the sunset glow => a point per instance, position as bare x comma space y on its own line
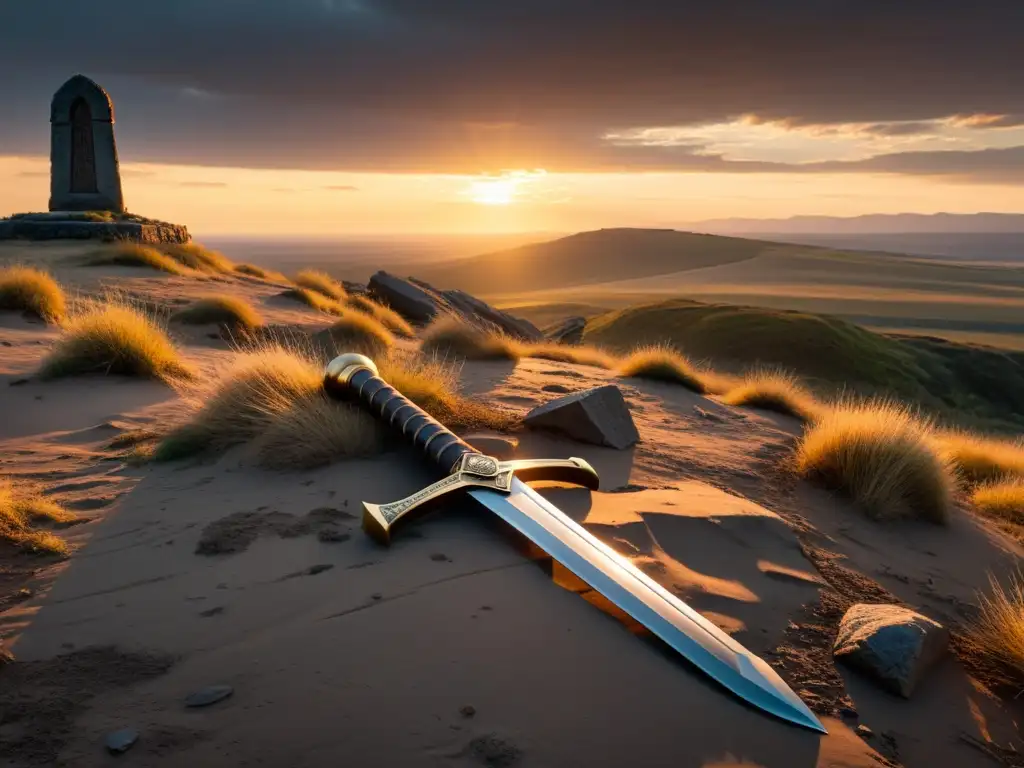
493, 191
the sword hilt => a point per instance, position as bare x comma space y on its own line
356, 375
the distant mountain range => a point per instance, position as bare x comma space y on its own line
871, 224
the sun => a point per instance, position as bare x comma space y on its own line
501, 191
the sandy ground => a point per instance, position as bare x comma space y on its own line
452, 647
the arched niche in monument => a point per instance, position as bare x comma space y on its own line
84, 171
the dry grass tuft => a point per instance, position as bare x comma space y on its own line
999, 629
26, 289
20, 510
358, 332
884, 457
321, 282
114, 338
662, 363
775, 391
393, 321
198, 258
315, 300
563, 353
980, 458
135, 255
1002, 500
221, 309
433, 384
271, 397
263, 274
449, 336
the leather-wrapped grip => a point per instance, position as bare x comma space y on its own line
440, 445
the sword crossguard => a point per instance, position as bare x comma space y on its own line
475, 470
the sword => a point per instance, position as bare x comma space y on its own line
501, 488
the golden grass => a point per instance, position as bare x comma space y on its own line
198, 258
358, 332
662, 363
883, 456
775, 391
981, 458
393, 321
135, 255
433, 384
449, 336
272, 398
221, 309
999, 629
31, 290
1002, 500
20, 510
114, 338
321, 282
315, 300
264, 274
564, 353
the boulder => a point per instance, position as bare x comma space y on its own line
406, 298
569, 331
599, 416
895, 645
420, 302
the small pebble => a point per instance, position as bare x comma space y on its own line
209, 695
376, 596
864, 732
468, 711
121, 741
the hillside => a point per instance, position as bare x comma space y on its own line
587, 258
960, 380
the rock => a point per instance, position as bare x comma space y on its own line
864, 732
420, 303
468, 711
501, 448
895, 645
598, 416
409, 300
121, 741
211, 694
569, 331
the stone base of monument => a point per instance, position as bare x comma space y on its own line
91, 225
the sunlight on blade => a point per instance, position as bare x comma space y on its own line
664, 614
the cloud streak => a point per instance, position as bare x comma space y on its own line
469, 86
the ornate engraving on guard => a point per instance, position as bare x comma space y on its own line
476, 470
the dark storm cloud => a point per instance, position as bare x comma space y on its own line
471, 85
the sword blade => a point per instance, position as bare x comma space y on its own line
633, 591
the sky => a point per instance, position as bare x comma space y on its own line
336, 117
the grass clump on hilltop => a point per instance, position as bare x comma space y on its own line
884, 457
113, 337
321, 282
26, 289
222, 310
21, 510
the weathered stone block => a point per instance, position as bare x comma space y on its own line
894, 645
599, 416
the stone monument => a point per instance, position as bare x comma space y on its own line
86, 202
84, 173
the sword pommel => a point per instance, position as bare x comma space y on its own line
475, 471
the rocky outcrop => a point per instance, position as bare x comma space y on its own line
892, 644
569, 331
598, 416
420, 303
